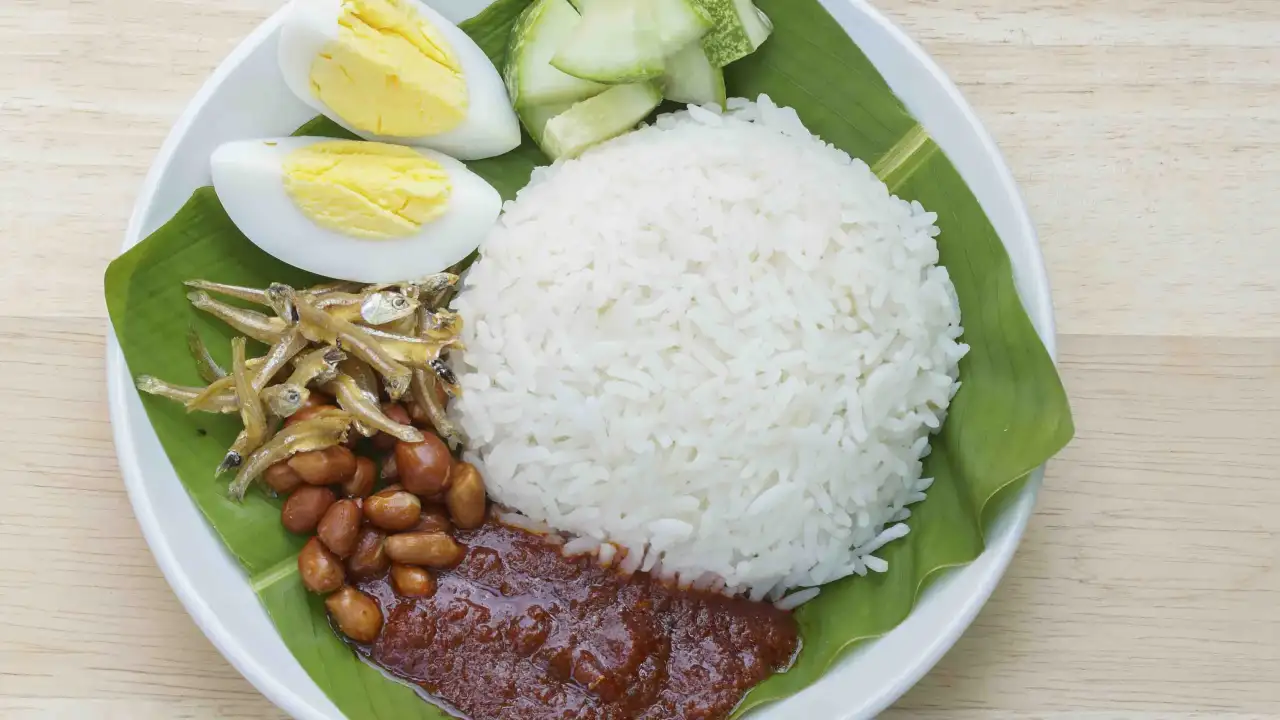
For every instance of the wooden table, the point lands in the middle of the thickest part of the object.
(1146, 137)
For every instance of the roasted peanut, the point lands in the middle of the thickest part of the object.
(362, 480)
(281, 478)
(424, 467)
(393, 509)
(320, 569)
(434, 518)
(435, 550)
(369, 559)
(412, 581)
(465, 496)
(357, 615)
(304, 508)
(340, 527)
(397, 413)
(324, 467)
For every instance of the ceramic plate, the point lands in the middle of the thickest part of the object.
(247, 98)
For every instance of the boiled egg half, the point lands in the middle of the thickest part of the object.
(352, 210)
(397, 71)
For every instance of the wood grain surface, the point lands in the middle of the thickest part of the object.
(1146, 137)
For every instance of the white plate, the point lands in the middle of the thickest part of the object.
(246, 98)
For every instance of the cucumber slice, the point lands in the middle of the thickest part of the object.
(692, 78)
(740, 28)
(535, 118)
(623, 41)
(605, 116)
(757, 24)
(530, 79)
(678, 23)
(615, 43)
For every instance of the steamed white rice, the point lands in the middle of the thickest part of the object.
(716, 343)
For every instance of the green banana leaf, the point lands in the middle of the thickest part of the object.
(1010, 416)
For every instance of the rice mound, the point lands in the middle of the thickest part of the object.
(716, 343)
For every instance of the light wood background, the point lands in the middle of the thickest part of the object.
(1146, 137)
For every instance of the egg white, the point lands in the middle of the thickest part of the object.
(248, 177)
(490, 127)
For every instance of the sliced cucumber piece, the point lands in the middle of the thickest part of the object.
(615, 43)
(605, 116)
(535, 118)
(530, 78)
(758, 25)
(739, 29)
(678, 23)
(692, 78)
(623, 41)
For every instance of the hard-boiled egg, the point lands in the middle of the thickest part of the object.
(353, 210)
(396, 71)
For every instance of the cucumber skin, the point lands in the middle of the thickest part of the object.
(728, 39)
(515, 46)
(511, 70)
(698, 25)
(641, 73)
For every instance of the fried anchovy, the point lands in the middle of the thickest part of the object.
(445, 375)
(155, 386)
(252, 413)
(330, 302)
(367, 382)
(318, 366)
(424, 396)
(403, 326)
(440, 325)
(353, 399)
(320, 326)
(256, 325)
(209, 369)
(282, 351)
(285, 399)
(363, 375)
(280, 298)
(423, 387)
(382, 307)
(374, 306)
(336, 286)
(412, 351)
(436, 289)
(325, 429)
(247, 294)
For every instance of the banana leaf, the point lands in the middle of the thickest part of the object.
(1010, 416)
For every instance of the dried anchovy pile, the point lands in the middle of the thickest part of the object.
(343, 339)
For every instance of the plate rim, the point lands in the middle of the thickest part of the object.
(120, 391)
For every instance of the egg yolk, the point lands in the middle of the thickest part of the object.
(389, 72)
(366, 189)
